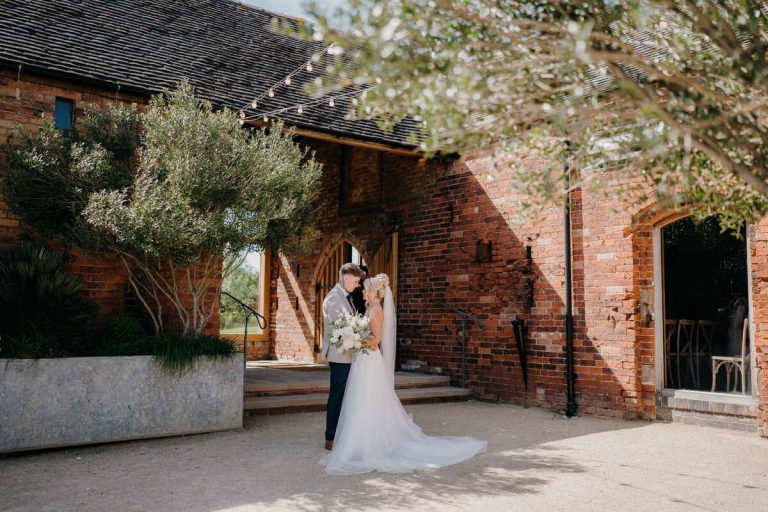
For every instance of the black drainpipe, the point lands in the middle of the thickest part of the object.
(570, 375)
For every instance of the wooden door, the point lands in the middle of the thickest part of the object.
(326, 280)
(385, 261)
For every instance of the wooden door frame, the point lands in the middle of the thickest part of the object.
(265, 288)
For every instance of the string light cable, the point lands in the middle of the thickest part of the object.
(287, 80)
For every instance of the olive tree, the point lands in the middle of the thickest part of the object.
(665, 100)
(201, 191)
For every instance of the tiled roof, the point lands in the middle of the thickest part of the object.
(227, 50)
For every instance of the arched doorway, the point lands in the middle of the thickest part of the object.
(384, 260)
(703, 292)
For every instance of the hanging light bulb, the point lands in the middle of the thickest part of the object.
(300, 110)
(242, 115)
(240, 122)
(265, 119)
(309, 67)
(254, 104)
(354, 101)
(288, 81)
(271, 93)
(331, 103)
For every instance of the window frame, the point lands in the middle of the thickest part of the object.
(58, 101)
(265, 286)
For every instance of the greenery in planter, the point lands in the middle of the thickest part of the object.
(177, 354)
(42, 312)
(42, 315)
(202, 190)
(124, 335)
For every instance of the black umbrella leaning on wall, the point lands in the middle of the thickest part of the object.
(517, 326)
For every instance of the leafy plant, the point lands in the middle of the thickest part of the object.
(177, 354)
(205, 190)
(42, 312)
(52, 174)
(647, 100)
(124, 335)
(199, 191)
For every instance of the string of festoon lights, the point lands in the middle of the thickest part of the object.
(306, 67)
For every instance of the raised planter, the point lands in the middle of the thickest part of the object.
(49, 403)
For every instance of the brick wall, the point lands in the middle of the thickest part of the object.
(759, 255)
(441, 210)
(23, 102)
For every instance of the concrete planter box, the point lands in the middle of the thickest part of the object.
(49, 403)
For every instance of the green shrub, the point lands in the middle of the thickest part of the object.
(124, 335)
(65, 167)
(42, 312)
(177, 354)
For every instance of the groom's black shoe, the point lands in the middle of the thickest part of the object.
(329, 445)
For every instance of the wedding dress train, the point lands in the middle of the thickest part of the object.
(374, 431)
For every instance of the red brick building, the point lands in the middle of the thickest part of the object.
(444, 229)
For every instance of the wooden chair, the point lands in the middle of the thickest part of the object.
(734, 363)
(686, 334)
(705, 334)
(670, 333)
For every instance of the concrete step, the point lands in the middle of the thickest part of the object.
(321, 385)
(317, 401)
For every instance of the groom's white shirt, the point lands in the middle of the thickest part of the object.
(334, 304)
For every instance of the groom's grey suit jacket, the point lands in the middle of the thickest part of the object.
(334, 304)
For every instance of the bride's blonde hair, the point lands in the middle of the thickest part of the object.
(377, 285)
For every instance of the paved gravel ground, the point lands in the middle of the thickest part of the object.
(535, 461)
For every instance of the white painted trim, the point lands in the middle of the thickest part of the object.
(752, 358)
(658, 308)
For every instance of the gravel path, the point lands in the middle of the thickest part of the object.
(535, 461)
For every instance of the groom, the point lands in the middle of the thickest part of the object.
(338, 300)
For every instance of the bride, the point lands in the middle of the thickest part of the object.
(375, 433)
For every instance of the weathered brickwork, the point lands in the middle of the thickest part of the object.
(441, 211)
(759, 258)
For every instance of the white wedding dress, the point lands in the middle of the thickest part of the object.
(374, 431)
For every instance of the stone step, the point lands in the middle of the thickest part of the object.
(321, 385)
(317, 401)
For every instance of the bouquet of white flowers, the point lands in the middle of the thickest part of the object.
(349, 332)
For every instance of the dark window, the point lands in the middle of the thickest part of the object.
(63, 115)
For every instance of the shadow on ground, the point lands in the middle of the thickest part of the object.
(272, 464)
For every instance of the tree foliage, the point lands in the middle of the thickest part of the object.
(200, 191)
(670, 97)
(51, 174)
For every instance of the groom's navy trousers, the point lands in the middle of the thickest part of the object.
(339, 375)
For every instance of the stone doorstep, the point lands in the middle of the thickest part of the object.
(318, 400)
(322, 385)
(708, 403)
(719, 410)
